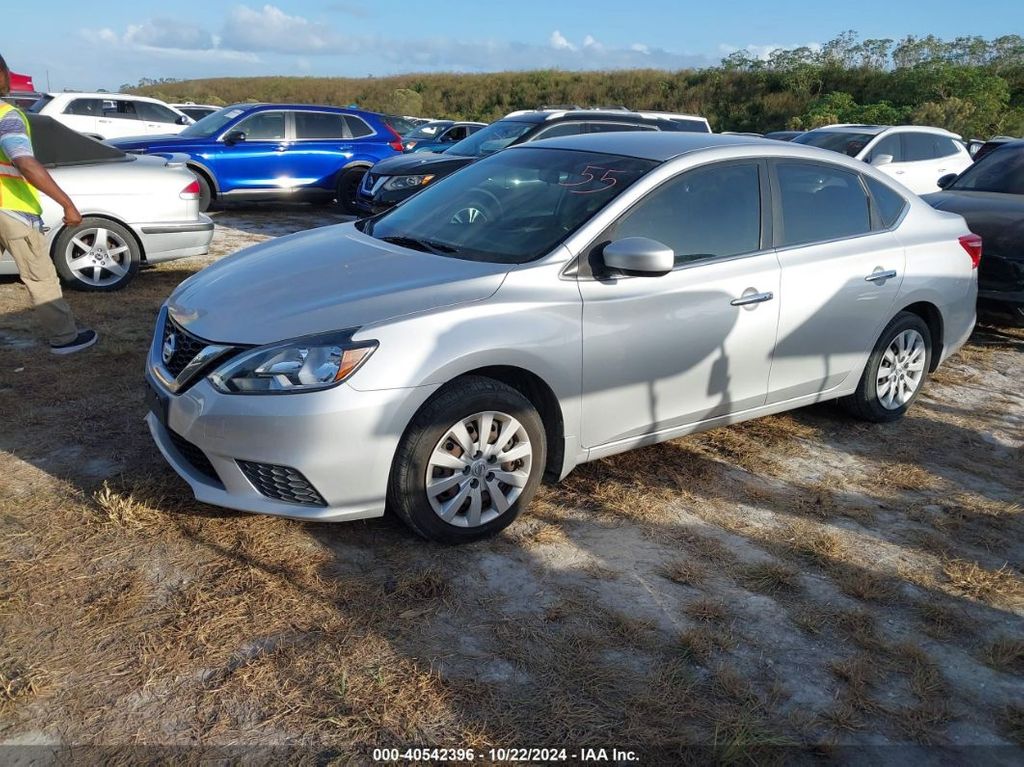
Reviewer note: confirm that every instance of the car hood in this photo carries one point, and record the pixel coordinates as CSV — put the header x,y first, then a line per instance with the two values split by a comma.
x,y
420,162
326,279
998,218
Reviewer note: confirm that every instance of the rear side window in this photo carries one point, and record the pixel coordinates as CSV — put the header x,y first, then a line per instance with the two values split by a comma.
x,y
820,203
122,110
357,128
691,126
562,129
927,146
85,108
888,202
322,125
712,212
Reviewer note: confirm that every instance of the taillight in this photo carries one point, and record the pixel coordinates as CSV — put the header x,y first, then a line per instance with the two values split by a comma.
x,y
190,192
972,244
396,143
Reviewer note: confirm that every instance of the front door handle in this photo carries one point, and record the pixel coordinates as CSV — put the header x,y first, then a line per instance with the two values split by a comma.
x,y
881,276
752,298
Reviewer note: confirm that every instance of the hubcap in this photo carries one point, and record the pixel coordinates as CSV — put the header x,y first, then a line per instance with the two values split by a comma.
x,y
98,256
478,469
468,215
901,371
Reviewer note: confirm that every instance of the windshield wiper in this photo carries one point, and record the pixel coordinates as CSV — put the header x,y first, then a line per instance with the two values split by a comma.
x,y
427,246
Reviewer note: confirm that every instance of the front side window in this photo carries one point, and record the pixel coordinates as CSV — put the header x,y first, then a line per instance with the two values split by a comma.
x,y
156,113
889,145
710,212
319,125
265,126
1000,171
820,203
491,139
511,208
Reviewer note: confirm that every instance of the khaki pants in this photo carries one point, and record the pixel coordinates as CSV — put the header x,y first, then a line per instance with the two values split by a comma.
x,y
28,247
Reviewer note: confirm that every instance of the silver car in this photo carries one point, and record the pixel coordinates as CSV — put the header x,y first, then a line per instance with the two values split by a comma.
x,y
550,305
136,210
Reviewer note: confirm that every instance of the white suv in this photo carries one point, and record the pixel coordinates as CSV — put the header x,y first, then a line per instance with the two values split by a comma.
x,y
111,115
915,155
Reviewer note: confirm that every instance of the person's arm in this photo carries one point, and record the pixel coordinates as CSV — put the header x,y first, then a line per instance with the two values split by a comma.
x,y
35,174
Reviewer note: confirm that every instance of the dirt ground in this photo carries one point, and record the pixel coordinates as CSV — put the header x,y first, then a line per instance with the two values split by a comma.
x,y
798,580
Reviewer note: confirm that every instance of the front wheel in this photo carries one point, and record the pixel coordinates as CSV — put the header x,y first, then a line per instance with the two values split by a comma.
x,y
895,372
470,461
97,255
348,189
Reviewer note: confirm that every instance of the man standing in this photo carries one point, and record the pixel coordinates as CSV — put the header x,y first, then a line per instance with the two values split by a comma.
x,y
20,226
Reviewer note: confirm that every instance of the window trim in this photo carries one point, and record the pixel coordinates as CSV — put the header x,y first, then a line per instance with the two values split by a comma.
x,y
779,229
581,267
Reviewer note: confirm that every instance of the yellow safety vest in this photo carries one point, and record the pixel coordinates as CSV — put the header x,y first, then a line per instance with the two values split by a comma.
x,y
15,192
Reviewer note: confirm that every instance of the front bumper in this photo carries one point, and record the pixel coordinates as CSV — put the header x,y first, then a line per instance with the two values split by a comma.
x,y
168,240
341,440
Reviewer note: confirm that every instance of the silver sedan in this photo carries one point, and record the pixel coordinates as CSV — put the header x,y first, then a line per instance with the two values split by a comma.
x,y
136,210
547,306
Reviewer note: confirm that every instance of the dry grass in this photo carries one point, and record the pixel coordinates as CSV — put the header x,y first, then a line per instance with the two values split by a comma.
x,y
1006,654
1002,586
18,681
942,621
700,644
684,571
708,611
1011,723
770,578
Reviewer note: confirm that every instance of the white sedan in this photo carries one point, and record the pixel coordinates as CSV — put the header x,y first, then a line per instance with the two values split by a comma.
x,y
136,210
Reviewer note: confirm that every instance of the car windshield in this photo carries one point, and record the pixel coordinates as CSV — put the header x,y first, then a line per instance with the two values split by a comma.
x,y
490,139
40,103
510,208
428,131
837,141
1001,171
212,123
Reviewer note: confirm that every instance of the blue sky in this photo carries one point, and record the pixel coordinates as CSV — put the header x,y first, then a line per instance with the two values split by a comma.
x,y
104,43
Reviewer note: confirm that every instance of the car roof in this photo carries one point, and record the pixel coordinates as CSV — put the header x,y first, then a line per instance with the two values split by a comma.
x,y
875,130
99,95
575,113
301,107
658,146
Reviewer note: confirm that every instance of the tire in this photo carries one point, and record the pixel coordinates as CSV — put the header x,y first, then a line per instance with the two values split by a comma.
x,y
82,268
429,438
205,192
482,207
877,402
348,189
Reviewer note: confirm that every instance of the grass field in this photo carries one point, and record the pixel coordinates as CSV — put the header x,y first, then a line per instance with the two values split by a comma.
x,y
801,579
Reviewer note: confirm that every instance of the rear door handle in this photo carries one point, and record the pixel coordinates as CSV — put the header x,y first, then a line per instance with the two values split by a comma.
x,y
881,276
753,298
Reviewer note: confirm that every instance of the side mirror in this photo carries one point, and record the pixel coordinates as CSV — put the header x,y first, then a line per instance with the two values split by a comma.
x,y
234,137
945,181
881,159
639,256
183,120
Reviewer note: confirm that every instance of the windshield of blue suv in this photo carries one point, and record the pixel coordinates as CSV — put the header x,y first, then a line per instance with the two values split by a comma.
x,y
489,140
212,124
511,208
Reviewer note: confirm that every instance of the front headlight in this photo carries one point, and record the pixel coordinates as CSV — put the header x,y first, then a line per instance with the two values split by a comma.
x,y
300,365
407,182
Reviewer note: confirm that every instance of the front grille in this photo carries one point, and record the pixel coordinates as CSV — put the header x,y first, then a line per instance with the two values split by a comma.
x,y
196,457
281,483
186,347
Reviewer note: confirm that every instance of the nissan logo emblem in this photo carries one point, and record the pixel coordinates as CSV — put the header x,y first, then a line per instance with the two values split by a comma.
x,y
170,347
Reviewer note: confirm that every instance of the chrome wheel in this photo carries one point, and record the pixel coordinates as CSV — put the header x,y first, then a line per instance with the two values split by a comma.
x,y
901,370
469,215
478,469
98,256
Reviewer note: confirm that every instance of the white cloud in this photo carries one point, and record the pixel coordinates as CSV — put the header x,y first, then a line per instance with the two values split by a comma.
x,y
764,52
271,29
640,48
166,33
559,43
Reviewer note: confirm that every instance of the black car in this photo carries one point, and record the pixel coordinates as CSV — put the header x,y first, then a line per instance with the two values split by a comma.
x,y
395,179
990,196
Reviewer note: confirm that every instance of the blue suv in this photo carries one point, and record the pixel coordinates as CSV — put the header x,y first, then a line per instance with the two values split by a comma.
x,y
277,151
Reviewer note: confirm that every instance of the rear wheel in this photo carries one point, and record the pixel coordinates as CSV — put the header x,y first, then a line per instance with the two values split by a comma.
x,y
205,192
469,462
348,189
97,255
895,372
